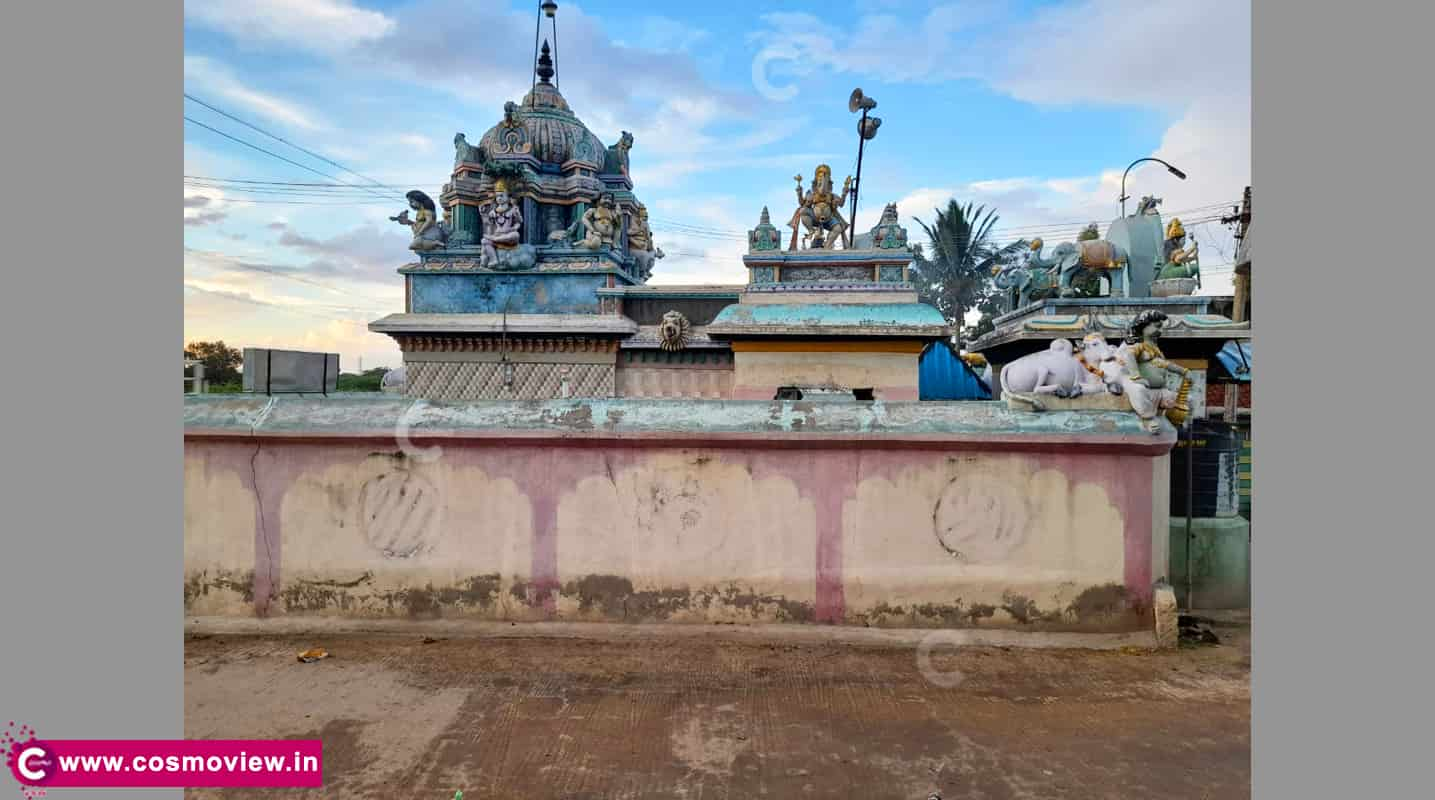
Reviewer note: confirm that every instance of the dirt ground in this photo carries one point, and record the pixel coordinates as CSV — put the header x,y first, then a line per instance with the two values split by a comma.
x,y
694,718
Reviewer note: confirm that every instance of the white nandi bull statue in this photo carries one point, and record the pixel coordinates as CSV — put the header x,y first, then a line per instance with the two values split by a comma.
x,y
1058,372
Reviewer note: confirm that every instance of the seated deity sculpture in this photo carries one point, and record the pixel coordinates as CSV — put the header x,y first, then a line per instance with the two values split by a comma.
x,y
429,233
502,223
818,211
1154,385
601,224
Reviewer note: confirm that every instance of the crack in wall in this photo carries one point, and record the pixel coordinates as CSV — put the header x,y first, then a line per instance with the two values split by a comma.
x,y
262,603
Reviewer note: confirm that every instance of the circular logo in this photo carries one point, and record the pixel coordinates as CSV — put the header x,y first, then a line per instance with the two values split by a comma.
x,y
33,763
947,679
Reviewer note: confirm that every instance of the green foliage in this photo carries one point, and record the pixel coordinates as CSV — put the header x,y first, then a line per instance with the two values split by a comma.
x,y
514,174
221,362
954,271
368,381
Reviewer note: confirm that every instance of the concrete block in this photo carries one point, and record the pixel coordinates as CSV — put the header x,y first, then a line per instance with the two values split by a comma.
x,y
1220,550
1168,633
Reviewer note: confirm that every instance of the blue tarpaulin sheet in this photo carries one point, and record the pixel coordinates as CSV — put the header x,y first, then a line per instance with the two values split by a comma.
x,y
941,375
1235,358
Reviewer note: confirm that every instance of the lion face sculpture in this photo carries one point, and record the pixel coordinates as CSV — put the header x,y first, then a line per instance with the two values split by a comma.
x,y
673,331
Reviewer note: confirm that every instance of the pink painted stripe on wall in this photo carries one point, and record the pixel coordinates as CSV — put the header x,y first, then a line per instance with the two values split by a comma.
x,y
1135,481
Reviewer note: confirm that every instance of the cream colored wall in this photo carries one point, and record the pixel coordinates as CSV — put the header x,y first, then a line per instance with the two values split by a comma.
x,y
978,530
408,526
219,520
715,534
694,520
707,384
849,370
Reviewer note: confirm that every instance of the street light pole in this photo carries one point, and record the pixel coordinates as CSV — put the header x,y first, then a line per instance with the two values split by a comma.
x,y
1178,173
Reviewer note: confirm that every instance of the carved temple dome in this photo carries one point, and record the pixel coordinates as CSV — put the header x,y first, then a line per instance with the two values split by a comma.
x,y
543,127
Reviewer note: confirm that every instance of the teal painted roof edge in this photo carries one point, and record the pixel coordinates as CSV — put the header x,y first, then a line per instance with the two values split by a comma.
x,y
866,315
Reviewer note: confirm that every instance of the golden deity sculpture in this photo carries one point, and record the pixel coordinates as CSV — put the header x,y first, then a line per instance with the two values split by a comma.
x,y
1176,251
819,211
601,224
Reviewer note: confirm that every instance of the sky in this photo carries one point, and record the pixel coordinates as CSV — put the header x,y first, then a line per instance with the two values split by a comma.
x,y
1031,108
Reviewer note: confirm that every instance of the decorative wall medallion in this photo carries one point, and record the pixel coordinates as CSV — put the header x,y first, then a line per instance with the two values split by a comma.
x,y
400,513
981,519
673,331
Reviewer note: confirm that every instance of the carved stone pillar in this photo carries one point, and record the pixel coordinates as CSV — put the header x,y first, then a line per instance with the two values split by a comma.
x,y
532,225
467,224
553,220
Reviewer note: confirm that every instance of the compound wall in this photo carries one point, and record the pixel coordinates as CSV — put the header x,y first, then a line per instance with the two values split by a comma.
x,y
899,514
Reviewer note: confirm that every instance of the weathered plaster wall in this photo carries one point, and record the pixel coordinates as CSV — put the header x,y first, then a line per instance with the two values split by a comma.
x,y
521,293
757,375
894,528
637,380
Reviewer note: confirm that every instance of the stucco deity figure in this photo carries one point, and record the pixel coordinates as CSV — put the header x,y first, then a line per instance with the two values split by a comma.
x,y
819,210
601,224
888,233
617,158
640,236
463,151
1181,261
640,244
502,224
429,233
1067,260
1145,375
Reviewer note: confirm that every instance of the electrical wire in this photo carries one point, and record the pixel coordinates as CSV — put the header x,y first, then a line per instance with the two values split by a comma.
x,y
281,139
268,152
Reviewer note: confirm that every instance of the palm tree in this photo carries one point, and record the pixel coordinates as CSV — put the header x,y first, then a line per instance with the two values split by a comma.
x,y
957,276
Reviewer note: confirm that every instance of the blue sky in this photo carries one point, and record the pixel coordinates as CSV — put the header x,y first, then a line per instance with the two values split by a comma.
x,y
1033,108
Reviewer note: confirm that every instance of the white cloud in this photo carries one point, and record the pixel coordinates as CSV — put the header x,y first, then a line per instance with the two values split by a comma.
x,y
596,74
214,82
1137,53
665,35
323,25
416,140
243,321
793,46
203,206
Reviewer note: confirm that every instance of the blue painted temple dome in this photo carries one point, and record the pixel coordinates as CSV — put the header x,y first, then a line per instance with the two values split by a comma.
x,y
543,127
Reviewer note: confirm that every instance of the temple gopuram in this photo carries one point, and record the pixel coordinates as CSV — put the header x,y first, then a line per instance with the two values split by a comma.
x,y
532,284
